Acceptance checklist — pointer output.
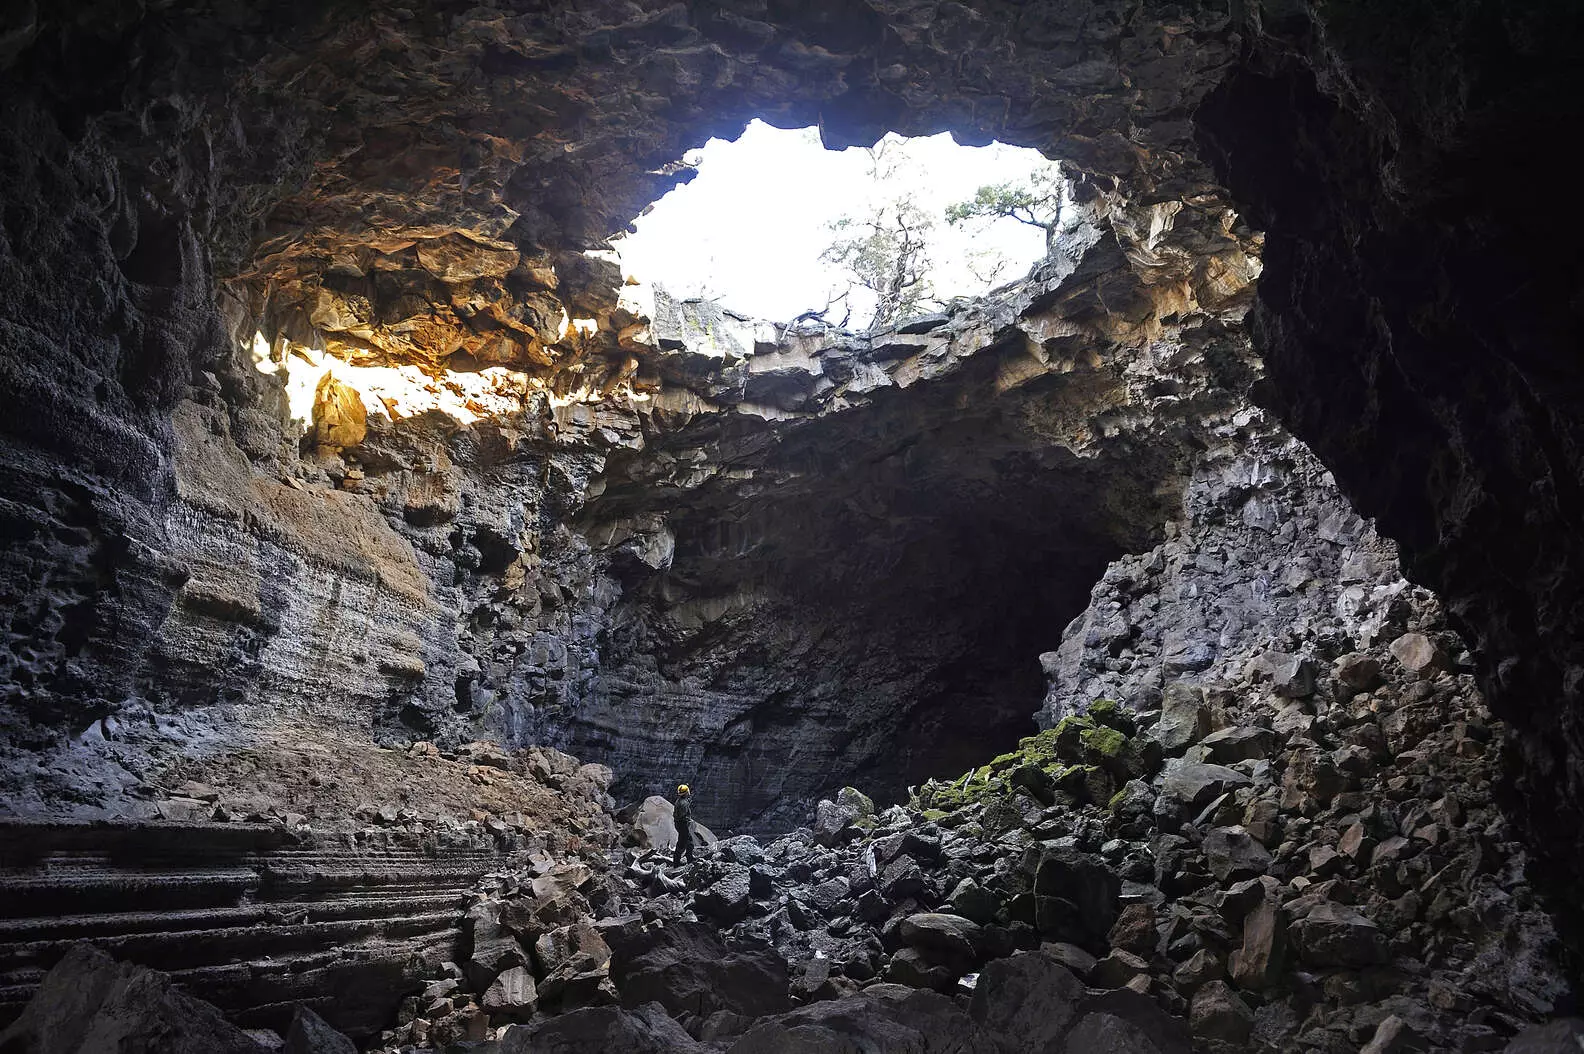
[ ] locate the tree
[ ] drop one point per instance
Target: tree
(886, 253)
(1036, 201)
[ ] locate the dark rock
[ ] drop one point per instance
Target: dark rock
(688, 969)
(1189, 786)
(1234, 854)
(728, 898)
(1217, 1013)
(512, 995)
(90, 1001)
(972, 901)
(1335, 935)
(902, 878)
(1086, 883)
(1029, 996)
(1231, 745)
(1117, 969)
(885, 1019)
(1359, 672)
(1556, 1037)
(602, 1030)
(310, 1034)
(923, 968)
(1291, 676)
(1259, 962)
(1184, 720)
(1134, 930)
(951, 936)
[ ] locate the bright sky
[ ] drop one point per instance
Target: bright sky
(750, 227)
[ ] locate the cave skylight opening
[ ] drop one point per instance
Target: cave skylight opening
(760, 228)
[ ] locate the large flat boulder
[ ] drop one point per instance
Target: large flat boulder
(685, 967)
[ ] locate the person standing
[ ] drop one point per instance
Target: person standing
(682, 814)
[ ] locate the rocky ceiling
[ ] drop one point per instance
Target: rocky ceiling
(418, 184)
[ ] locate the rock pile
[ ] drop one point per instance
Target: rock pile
(1309, 858)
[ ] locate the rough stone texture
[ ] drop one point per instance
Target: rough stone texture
(91, 1002)
(338, 915)
(184, 574)
(1266, 540)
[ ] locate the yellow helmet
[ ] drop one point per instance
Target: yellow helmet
(682, 788)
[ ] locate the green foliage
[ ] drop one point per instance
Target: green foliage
(886, 253)
(1106, 742)
(1036, 202)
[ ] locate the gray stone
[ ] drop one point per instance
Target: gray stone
(1233, 854)
(512, 995)
(1333, 934)
(973, 901)
(1418, 654)
(728, 898)
(1189, 786)
(1359, 672)
(1231, 745)
(602, 1030)
(1184, 720)
(1217, 1013)
(1291, 676)
(950, 935)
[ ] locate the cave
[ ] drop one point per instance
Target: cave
(345, 480)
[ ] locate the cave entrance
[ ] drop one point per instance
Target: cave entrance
(775, 226)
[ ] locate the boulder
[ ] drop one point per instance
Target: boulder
(1243, 743)
(1290, 676)
(653, 826)
(923, 968)
(494, 948)
(1184, 719)
(686, 968)
(1359, 672)
(512, 995)
(883, 1018)
(728, 898)
(311, 1034)
(1085, 882)
(1117, 969)
(578, 946)
(1029, 995)
(1134, 930)
(1258, 963)
(1393, 1036)
(90, 1002)
(973, 901)
(1233, 853)
(602, 1030)
(1189, 786)
(1104, 1033)
(1565, 1036)
(1217, 1013)
(902, 878)
(1418, 654)
(951, 936)
(1333, 934)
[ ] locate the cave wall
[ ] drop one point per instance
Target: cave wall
(1413, 323)
(1413, 311)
